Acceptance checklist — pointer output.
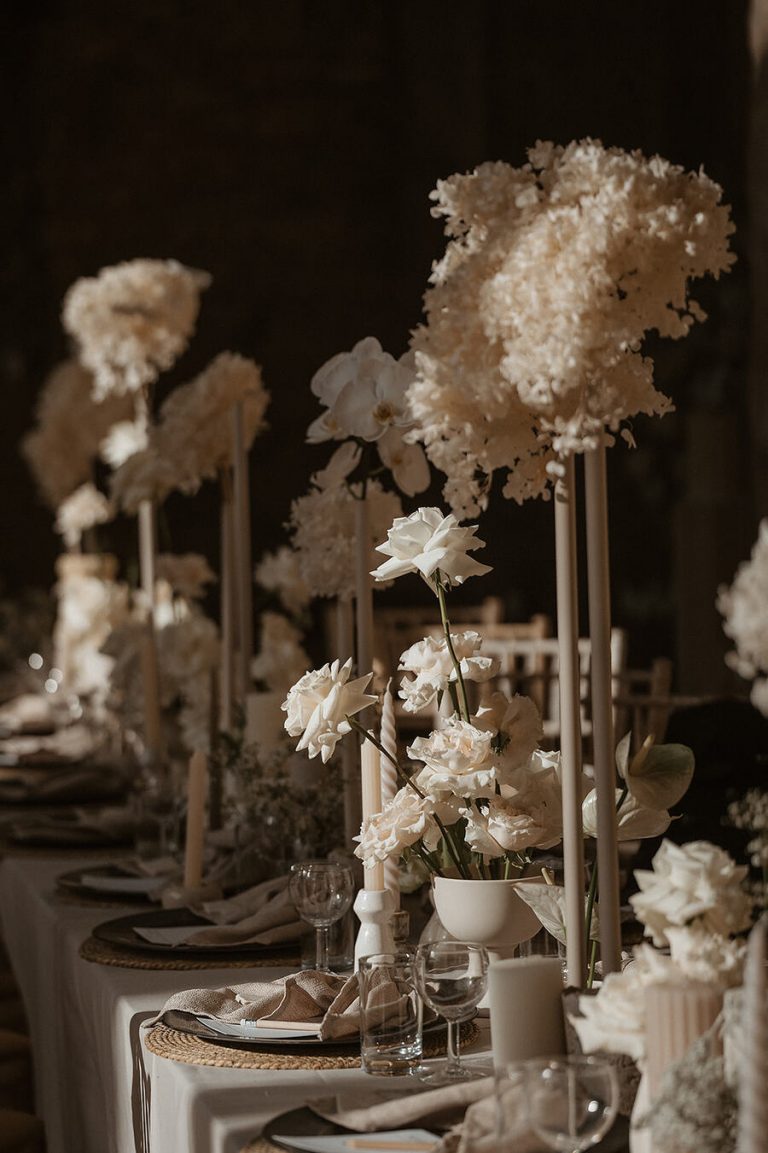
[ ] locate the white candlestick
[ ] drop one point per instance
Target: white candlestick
(370, 776)
(227, 611)
(150, 682)
(389, 784)
(526, 1008)
(598, 566)
(753, 1073)
(242, 540)
(363, 588)
(193, 852)
(570, 722)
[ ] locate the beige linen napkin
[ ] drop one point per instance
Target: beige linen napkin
(67, 746)
(469, 1108)
(305, 996)
(27, 713)
(264, 915)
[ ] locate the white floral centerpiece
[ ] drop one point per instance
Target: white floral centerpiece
(745, 608)
(552, 276)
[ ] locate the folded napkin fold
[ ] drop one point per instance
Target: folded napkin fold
(467, 1110)
(263, 915)
(67, 746)
(27, 713)
(309, 996)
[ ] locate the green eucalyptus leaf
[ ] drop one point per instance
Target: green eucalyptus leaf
(662, 777)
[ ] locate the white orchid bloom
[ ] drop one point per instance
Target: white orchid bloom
(407, 462)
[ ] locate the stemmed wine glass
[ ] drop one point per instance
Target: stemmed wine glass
(451, 977)
(571, 1101)
(322, 891)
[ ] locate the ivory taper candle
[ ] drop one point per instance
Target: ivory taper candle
(345, 648)
(363, 588)
(753, 1071)
(570, 721)
(389, 783)
(370, 776)
(193, 851)
(150, 683)
(242, 551)
(598, 573)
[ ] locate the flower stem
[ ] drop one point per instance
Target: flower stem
(449, 644)
(592, 963)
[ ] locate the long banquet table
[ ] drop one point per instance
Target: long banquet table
(98, 1089)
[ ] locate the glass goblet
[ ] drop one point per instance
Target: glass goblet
(322, 891)
(451, 977)
(571, 1101)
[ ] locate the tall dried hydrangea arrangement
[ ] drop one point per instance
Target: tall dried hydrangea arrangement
(132, 321)
(745, 608)
(552, 276)
(69, 429)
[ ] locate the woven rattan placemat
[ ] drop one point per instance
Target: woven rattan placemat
(102, 953)
(176, 1046)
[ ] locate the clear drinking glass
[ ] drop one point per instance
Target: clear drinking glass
(451, 977)
(571, 1102)
(390, 1024)
(322, 891)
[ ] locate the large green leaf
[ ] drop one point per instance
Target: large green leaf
(662, 776)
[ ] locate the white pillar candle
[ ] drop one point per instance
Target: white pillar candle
(675, 1017)
(570, 722)
(753, 1071)
(389, 784)
(598, 566)
(242, 551)
(193, 852)
(525, 996)
(370, 776)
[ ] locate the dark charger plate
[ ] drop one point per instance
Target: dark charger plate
(121, 932)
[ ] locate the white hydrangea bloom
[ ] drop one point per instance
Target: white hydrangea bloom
(69, 428)
(82, 510)
(552, 276)
(133, 320)
(745, 608)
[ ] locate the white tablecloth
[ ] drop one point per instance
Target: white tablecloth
(98, 1090)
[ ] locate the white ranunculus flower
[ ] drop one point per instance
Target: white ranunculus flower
(695, 884)
(634, 820)
(319, 703)
(458, 761)
(430, 662)
(426, 541)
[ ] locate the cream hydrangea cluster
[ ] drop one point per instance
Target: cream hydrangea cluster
(83, 509)
(279, 572)
(322, 526)
(281, 659)
(745, 608)
(552, 276)
(192, 439)
(132, 321)
(69, 428)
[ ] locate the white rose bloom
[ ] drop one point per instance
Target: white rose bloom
(403, 821)
(707, 957)
(614, 1020)
(431, 663)
(318, 704)
(458, 761)
(427, 541)
(500, 826)
(695, 884)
